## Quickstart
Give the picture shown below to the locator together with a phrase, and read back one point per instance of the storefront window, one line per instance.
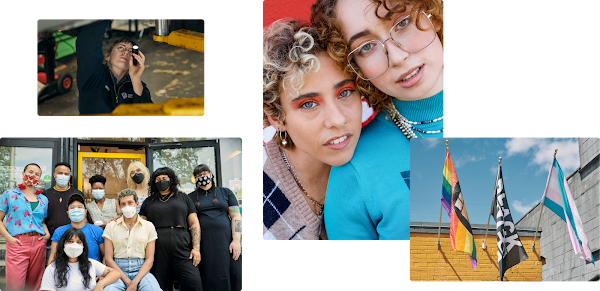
(113, 169)
(231, 164)
(183, 161)
(13, 161)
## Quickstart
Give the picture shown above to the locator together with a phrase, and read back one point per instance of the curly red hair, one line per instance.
(324, 19)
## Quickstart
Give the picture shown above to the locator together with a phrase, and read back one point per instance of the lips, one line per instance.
(338, 142)
(411, 77)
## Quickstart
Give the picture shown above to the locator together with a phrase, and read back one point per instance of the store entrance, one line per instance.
(112, 158)
(111, 164)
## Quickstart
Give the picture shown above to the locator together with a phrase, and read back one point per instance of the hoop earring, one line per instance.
(283, 140)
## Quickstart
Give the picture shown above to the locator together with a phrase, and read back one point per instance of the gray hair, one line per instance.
(125, 193)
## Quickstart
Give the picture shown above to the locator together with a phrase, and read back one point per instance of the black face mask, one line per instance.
(203, 181)
(163, 185)
(138, 178)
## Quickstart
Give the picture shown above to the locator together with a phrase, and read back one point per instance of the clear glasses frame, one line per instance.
(349, 57)
(123, 49)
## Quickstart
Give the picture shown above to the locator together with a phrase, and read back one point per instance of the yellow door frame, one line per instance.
(90, 155)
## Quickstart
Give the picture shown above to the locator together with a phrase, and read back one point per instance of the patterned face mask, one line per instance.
(203, 181)
(30, 180)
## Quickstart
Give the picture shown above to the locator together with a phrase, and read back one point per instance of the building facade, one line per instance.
(562, 264)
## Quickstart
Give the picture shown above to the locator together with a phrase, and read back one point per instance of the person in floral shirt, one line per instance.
(25, 232)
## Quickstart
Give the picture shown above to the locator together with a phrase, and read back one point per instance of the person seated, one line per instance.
(130, 246)
(71, 268)
(93, 234)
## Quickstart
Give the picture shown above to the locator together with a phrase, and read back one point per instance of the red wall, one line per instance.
(277, 9)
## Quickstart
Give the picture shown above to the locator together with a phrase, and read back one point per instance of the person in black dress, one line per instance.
(173, 214)
(221, 222)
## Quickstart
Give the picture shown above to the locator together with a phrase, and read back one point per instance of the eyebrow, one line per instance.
(388, 15)
(337, 86)
(357, 36)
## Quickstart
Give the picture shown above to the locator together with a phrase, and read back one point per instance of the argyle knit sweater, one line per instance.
(286, 214)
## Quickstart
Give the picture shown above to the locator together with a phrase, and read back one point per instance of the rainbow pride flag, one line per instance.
(461, 234)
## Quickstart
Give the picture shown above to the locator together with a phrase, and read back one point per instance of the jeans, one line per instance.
(131, 268)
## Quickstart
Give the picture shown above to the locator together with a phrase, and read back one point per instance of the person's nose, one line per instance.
(396, 55)
(335, 116)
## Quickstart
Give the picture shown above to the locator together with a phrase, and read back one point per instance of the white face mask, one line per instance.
(128, 211)
(73, 250)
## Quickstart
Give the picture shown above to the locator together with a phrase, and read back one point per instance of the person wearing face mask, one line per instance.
(57, 199)
(178, 245)
(138, 181)
(221, 222)
(93, 234)
(71, 269)
(25, 232)
(130, 243)
(101, 209)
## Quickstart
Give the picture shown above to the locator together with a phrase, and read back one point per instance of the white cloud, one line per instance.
(430, 143)
(541, 152)
(522, 209)
(462, 160)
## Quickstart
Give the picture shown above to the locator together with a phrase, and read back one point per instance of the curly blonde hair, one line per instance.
(289, 55)
(324, 19)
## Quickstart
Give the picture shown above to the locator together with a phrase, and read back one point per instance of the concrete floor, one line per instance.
(171, 72)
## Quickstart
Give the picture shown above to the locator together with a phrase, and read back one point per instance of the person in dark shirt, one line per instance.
(104, 86)
(57, 200)
(221, 221)
(174, 216)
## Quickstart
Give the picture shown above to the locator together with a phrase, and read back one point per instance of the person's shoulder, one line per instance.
(63, 228)
(95, 228)
(96, 264)
(379, 140)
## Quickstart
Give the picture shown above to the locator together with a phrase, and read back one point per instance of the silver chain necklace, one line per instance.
(318, 206)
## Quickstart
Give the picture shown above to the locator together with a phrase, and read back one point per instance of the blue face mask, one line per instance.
(98, 194)
(77, 214)
(62, 180)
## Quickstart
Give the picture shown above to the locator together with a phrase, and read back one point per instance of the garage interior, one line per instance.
(174, 68)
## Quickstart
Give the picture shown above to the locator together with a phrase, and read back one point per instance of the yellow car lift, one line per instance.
(183, 38)
(176, 107)
(173, 107)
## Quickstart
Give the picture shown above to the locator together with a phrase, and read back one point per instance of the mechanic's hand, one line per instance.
(135, 72)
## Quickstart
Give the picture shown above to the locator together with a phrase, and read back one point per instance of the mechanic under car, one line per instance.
(102, 87)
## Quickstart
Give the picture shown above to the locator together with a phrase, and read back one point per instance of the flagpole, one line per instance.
(440, 223)
(542, 202)
(484, 246)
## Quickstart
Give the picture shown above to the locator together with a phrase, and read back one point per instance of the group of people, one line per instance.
(148, 238)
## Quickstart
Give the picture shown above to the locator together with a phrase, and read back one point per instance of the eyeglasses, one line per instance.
(123, 49)
(370, 59)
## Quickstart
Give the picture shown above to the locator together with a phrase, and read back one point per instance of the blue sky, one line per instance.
(525, 165)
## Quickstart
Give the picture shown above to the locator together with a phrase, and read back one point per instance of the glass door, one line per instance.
(183, 157)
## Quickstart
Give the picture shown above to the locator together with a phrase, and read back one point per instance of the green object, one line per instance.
(65, 44)
(34, 204)
(47, 178)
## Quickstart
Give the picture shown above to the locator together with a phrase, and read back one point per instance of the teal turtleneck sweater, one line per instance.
(369, 197)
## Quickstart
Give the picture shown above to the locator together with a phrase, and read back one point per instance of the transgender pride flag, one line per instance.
(558, 198)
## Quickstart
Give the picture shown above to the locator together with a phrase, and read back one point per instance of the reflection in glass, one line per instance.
(113, 169)
(13, 161)
(183, 161)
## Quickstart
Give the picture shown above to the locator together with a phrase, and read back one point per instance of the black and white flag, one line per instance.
(510, 249)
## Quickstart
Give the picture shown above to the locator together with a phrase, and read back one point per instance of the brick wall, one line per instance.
(427, 263)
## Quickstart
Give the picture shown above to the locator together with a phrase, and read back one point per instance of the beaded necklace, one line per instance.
(407, 126)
